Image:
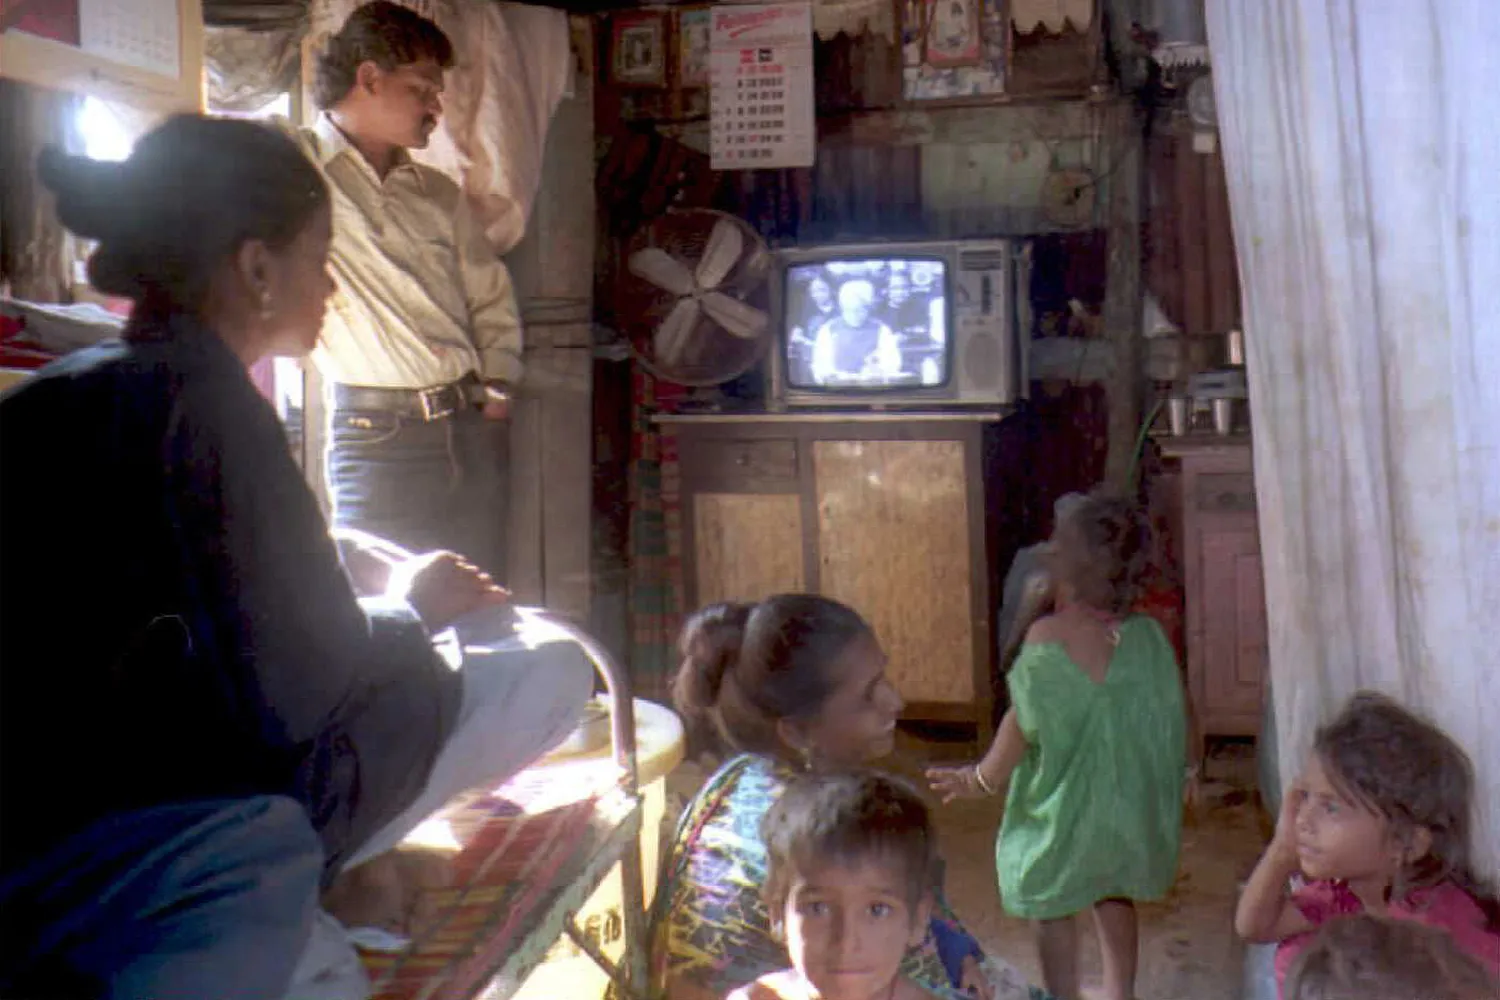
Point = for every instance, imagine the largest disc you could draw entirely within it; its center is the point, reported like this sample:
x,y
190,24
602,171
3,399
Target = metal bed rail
x,y
632,979
629,976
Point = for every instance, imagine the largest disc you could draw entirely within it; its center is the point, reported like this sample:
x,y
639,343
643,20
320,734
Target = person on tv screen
x,y
906,313
813,307
854,346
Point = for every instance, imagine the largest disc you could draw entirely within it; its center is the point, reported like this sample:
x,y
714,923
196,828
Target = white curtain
x,y
1363,154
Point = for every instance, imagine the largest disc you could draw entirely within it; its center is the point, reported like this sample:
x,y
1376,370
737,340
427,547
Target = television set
x,y
898,325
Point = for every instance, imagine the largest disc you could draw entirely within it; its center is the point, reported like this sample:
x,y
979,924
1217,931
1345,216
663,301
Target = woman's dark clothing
x,y
175,624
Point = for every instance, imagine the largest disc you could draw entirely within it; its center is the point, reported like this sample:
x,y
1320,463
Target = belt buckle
x,y
433,403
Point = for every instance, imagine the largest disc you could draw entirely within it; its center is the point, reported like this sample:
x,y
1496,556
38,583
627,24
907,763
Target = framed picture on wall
x,y
951,33
638,49
693,30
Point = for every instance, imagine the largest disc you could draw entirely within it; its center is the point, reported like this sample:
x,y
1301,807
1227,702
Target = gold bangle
x,y
979,780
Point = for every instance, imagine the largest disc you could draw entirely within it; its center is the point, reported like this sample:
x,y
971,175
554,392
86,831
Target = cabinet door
x,y
893,543
746,546
1234,627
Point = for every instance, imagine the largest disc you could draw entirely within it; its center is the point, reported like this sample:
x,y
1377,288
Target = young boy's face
x,y
848,928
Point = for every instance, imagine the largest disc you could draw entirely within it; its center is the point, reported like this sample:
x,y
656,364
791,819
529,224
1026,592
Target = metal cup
x,y
1223,417
1177,415
1234,348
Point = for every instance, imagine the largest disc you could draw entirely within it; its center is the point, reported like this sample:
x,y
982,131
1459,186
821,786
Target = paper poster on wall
x,y
144,54
55,20
761,87
139,33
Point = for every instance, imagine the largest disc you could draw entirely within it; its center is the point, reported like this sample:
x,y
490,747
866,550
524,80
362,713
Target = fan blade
x,y
725,244
735,316
671,339
655,265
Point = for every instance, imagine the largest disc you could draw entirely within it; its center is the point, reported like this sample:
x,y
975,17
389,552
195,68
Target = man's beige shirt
x,y
421,298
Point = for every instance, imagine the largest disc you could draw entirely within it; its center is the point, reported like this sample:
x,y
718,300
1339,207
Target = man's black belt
x,y
433,403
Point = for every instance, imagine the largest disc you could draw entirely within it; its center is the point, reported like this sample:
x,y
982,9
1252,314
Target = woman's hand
x,y
952,783
444,586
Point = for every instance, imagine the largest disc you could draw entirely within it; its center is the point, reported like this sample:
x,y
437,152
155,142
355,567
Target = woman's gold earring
x,y
807,758
267,310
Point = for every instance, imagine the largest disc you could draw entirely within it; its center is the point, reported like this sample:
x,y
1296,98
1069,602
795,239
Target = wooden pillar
x,y
1122,296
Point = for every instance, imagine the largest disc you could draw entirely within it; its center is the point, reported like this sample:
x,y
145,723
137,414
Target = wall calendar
x,y
761,108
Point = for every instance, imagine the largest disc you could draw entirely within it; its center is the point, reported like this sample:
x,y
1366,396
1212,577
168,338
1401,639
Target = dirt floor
x,y
1188,947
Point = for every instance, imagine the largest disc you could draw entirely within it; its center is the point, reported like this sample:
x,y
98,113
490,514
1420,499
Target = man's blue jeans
x,y
198,901
424,486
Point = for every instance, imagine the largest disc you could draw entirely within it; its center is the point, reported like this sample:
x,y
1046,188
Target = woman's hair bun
x,y
710,645
194,189
93,196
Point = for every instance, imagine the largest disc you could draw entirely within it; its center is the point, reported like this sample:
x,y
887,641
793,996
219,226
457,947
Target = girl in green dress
x,y
1092,750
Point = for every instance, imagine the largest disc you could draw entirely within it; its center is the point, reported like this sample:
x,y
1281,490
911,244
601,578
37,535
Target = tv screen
x,y
867,323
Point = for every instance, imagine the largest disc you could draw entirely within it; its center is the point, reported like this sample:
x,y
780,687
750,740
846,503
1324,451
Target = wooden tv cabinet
x,y
883,511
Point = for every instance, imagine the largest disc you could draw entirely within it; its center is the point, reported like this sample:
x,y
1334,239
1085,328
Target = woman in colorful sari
x,y
793,683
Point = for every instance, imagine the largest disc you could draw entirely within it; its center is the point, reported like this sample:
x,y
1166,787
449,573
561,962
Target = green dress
x,y
1095,807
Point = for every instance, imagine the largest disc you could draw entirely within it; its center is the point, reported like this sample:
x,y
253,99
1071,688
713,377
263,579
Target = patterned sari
x,y
710,932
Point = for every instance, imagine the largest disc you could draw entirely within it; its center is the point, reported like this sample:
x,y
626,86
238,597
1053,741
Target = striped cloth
x,y
519,850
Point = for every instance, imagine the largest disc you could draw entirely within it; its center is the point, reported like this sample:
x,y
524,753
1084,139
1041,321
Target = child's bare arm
x,y
1006,751
991,773
1266,912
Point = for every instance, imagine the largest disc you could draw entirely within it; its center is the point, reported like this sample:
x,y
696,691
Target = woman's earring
x,y
267,310
807,758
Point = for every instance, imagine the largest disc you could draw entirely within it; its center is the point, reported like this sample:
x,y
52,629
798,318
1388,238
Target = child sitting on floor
x,y
1093,748
1378,823
1370,958
852,859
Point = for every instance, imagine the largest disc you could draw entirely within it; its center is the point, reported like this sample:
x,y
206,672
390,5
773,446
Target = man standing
x,y
422,343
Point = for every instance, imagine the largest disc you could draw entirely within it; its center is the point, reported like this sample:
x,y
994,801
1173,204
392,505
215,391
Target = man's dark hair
x,y
383,33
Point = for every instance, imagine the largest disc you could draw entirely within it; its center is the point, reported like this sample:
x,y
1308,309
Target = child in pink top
x,y
1377,823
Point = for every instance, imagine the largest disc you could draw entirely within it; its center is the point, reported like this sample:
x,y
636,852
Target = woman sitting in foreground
x,y
795,683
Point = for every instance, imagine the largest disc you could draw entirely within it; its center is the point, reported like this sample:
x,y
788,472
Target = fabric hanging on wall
x,y
657,592
1362,149
261,15
249,68
854,18
1052,15
513,66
